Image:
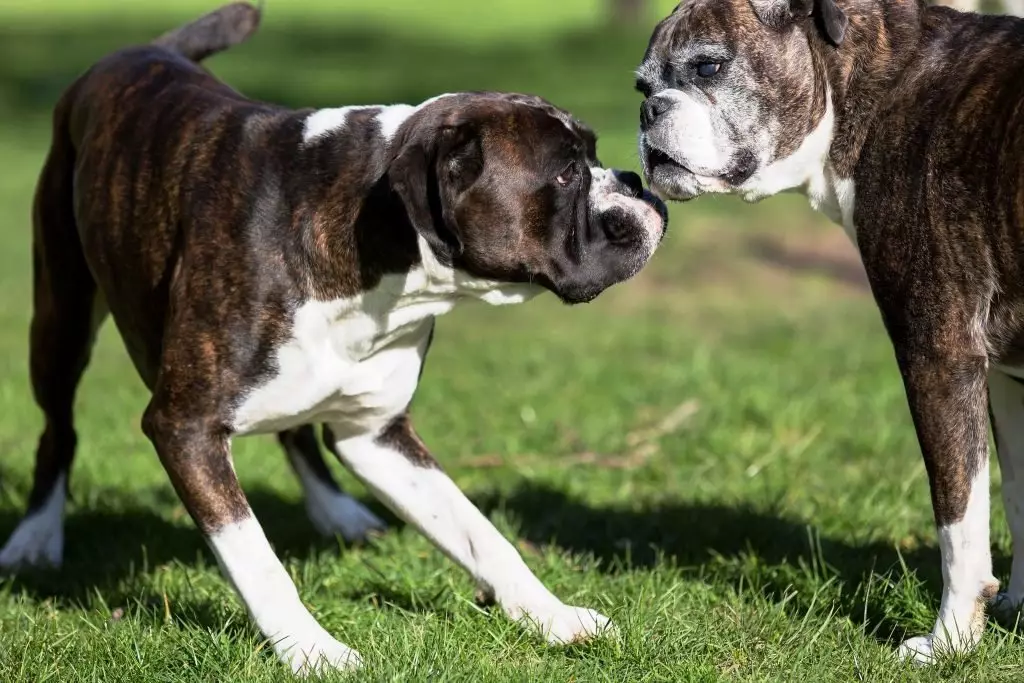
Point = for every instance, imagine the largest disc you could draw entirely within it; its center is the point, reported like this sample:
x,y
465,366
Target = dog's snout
x,y
631,182
652,108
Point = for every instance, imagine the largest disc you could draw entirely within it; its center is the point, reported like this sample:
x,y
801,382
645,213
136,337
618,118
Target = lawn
x,y
716,454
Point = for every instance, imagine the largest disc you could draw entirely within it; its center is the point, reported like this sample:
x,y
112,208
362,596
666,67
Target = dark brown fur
x,y
929,126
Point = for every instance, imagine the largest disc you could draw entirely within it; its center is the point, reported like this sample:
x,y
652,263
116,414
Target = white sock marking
x,y
966,573
430,501
1006,397
263,584
39,538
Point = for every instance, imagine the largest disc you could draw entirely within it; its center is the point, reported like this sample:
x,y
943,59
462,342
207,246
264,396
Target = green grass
x,y
778,529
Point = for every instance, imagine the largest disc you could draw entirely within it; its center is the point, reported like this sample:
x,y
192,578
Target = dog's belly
x,y
318,382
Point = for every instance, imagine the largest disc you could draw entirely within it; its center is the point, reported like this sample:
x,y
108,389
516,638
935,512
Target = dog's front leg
x,y
398,468
196,454
945,380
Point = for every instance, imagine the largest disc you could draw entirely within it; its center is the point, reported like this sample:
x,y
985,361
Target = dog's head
x,y
734,96
508,188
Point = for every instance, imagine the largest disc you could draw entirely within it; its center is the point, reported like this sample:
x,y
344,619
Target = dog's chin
x,y
672,181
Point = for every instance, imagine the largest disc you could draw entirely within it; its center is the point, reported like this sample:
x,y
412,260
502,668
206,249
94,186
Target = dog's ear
x,y
429,174
831,20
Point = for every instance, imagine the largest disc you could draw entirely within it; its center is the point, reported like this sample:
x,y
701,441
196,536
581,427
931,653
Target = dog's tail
x,y
213,32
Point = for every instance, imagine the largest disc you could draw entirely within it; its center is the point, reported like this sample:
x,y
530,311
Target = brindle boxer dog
x,y
269,269
906,125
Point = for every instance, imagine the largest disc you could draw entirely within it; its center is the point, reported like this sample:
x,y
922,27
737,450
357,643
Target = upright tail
x,y
213,32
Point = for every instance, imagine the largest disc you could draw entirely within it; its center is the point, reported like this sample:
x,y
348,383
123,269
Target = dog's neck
x,y
861,74
354,229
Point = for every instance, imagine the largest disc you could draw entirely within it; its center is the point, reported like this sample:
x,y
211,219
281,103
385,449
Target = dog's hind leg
x,y
1006,403
66,314
330,509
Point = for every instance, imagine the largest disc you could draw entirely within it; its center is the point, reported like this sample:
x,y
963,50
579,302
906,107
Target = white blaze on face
x,y
699,142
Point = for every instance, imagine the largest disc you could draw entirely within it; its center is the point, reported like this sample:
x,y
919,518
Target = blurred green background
x,y
717,454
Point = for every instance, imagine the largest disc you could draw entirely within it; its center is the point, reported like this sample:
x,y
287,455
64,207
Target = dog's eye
x,y
708,69
567,175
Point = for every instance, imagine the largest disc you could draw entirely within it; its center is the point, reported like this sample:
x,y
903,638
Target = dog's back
x,y
99,125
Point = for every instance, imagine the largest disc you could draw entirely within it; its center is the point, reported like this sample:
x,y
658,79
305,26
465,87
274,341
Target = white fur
x,y
325,121
390,118
332,511
606,192
38,541
429,500
1007,400
808,170
701,147
966,573
355,362
249,563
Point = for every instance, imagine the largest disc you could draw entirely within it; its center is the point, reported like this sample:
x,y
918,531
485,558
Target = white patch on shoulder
x,y
390,118
326,121
270,597
355,362
38,541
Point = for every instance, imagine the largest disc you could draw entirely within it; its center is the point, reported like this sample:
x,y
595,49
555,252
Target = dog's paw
x,y
1006,611
343,515
37,542
316,653
919,650
566,624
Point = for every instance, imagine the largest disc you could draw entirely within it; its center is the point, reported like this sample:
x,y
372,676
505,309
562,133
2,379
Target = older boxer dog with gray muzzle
x,y
269,269
906,125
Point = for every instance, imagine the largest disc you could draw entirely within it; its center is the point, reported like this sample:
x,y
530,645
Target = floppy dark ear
x,y
779,13
428,175
833,20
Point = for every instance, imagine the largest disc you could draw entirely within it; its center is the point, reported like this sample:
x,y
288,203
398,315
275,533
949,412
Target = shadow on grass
x,y
104,548
776,556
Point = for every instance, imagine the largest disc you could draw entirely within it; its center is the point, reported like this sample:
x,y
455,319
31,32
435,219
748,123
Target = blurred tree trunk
x,y
631,11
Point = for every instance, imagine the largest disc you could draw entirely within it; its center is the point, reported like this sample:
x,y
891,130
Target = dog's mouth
x,y
663,173
657,159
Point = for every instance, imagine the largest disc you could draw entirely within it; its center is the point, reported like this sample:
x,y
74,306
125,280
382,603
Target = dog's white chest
x,y
354,363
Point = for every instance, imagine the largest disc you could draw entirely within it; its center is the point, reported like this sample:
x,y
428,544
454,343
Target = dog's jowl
x,y
273,270
905,125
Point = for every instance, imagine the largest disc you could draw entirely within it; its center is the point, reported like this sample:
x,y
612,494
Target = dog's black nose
x,y
652,108
634,186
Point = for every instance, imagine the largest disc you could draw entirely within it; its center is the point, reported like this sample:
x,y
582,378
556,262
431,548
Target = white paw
x,y
920,650
316,653
1007,611
566,624
344,515
37,542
